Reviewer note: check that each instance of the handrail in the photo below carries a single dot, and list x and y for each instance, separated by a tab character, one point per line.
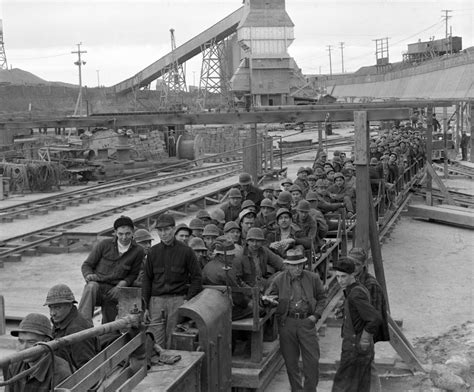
129	321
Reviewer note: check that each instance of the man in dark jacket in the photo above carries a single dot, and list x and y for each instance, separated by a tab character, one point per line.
361	323
169	268
113	263
250	191
35	328
66	321
300	298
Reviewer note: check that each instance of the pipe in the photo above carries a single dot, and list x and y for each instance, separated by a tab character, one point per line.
132	320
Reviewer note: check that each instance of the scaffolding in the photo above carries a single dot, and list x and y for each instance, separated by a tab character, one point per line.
173	83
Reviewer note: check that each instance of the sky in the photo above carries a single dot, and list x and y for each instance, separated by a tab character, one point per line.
122	37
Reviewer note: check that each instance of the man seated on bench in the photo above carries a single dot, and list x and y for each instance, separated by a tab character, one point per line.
224	270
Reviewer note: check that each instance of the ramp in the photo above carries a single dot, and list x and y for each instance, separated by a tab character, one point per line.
449	78
186	51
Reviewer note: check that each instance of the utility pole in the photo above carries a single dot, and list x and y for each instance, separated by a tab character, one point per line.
3	56
446	17
330	60
342	55
79	63
98	78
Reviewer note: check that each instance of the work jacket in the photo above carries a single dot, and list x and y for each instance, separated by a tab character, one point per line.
79	353
313	291
106	262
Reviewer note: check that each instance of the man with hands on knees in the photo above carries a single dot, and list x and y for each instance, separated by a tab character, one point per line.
300	298
361	322
113	263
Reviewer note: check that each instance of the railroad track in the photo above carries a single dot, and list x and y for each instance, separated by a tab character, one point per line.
28	243
133	183
12	248
109	189
456	169
462	199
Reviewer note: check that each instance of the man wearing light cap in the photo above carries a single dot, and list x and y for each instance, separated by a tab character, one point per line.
170	267
113	263
35	329
66	321
300	299
361	322
249	191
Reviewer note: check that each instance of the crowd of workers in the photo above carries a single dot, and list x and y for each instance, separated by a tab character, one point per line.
259	237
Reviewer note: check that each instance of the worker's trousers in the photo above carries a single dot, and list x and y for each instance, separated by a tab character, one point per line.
164	317
300	336
97	294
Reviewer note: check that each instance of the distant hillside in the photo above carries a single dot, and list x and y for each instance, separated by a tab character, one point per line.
17	76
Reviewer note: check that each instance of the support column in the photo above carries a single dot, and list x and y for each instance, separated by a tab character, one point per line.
429	151
457	134
363	193
250	154
471	128
445	139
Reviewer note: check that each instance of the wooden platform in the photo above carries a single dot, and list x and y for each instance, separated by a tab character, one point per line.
452	215
183	376
257	377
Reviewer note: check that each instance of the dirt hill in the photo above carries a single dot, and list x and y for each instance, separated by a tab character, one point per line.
17	76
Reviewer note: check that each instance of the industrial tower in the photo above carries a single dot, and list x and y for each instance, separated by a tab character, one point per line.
215	78
3	56
174	82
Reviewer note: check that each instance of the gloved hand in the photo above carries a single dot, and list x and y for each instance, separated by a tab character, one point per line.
365	340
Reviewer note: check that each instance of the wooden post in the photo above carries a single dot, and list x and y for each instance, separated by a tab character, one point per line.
429	152
445	139
457	134
250	154
376	251
2	316
471	128
363	193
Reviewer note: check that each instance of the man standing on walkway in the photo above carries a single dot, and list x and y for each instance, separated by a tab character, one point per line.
361	322
66	321
113	263
300	298
169	268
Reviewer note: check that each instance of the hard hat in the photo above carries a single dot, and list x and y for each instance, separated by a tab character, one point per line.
230	226
244	213
211	230
60	294
295	188
286	181
245	179
141	235
255	233
302	169
197	243
234	192
34	323
339	175
203	214
247	204
196	224
218	215
303	206
311	196
267	203
224	245
282	211
284	198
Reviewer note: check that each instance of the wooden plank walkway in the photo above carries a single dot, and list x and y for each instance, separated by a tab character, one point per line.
449	215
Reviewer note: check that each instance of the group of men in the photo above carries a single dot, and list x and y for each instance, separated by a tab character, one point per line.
250	241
